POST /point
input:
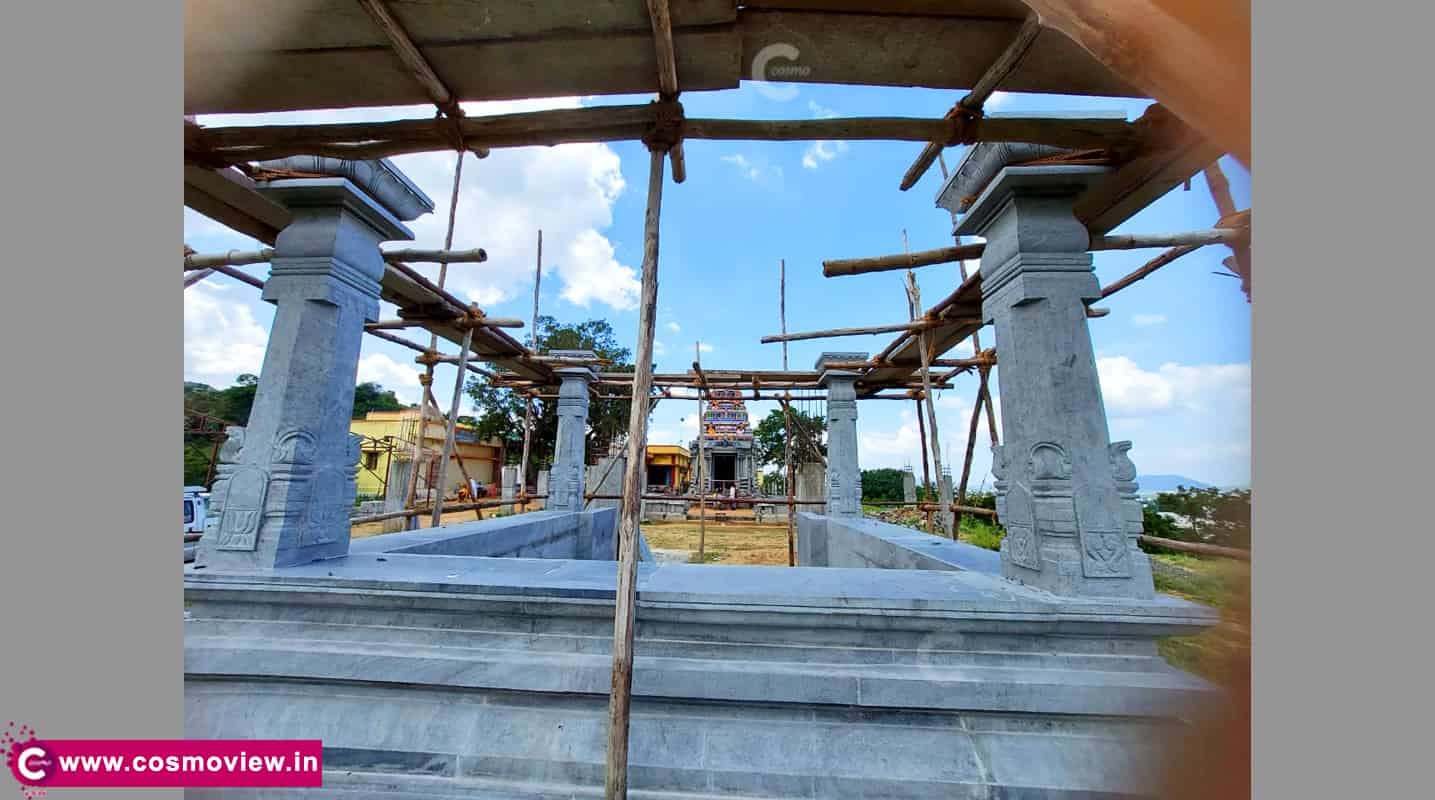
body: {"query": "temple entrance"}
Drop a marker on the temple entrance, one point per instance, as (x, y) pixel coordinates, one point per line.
(660, 475)
(724, 469)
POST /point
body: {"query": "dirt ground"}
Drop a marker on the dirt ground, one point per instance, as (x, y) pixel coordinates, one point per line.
(725, 543)
(425, 521)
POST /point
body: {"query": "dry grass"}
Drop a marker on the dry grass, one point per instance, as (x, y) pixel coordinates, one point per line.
(725, 543)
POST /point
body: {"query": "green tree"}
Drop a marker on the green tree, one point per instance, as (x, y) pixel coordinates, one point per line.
(882, 484)
(1220, 517)
(500, 411)
(372, 397)
(769, 438)
(208, 411)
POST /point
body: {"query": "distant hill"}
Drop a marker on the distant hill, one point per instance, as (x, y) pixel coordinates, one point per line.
(1151, 484)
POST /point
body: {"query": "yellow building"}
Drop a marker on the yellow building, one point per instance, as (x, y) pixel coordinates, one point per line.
(669, 468)
(389, 435)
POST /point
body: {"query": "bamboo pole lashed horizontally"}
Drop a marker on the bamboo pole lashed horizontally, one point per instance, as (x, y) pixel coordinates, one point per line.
(367, 140)
(838, 267)
(237, 258)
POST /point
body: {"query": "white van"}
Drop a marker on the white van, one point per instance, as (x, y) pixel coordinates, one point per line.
(196, 508)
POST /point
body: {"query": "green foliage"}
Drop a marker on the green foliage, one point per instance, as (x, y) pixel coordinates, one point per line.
(500, 412)
(882, 484)
(232, 406)
(1217, 517)
(769, 438)
(981, 532)
(372, 397)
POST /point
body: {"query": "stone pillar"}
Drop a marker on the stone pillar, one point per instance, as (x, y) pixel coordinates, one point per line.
(1064, 489)
(909, 486)
(607, 478)
(510, 487)
(565, 480)
(286, 494)
(844, 477)
(541, 489)
(396, 491)
(811, 478)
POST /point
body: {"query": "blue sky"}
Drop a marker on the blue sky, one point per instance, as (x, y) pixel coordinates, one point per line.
(1174, 353)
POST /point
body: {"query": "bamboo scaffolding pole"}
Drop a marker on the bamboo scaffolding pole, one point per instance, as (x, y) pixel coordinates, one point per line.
(453, 509)
(1240, 260)
(1149, 267)
(788, 468)
(977, 406)
(452, 428)
(944, 492)
(969, 108)
(839, 267)
(661, 17)
(926, 474)
(914, 325)
(976, 335)
(457, 456)
(528, 400)
(426, 379)
(1197, 548)
(371, 140)
(702, 455)
(625, 601)
(239, 258)
(693, 498)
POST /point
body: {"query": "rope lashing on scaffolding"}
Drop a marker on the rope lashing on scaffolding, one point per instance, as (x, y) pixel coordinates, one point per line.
(666, 130)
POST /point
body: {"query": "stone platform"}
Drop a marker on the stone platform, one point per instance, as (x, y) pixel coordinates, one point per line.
(441, 675)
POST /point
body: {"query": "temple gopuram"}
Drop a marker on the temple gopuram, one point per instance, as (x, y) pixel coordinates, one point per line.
(726, 446)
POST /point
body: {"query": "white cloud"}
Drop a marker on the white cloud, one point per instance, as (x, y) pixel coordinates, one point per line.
(820, 152)
(401, 379)
(744, 166)
(675, 327)
(1130, 391)
(567, 191)
(659, 349)
(222, 339)
(706, 348)
(1146, 320)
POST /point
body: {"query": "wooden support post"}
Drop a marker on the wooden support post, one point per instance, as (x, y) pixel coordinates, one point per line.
(914, 325)
(971, 447)
(457, 456)
(944, 492)
(426, 379)
(528, 398)
(702, 456)
(926, 474)
(625, 605)
(969, 109)
(788, 472)
(1221, 194)
(451, 436)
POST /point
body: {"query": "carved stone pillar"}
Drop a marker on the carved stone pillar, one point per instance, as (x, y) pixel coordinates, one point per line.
(287, 480)
(566, 478)
(1064, 491)
(844, 477)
